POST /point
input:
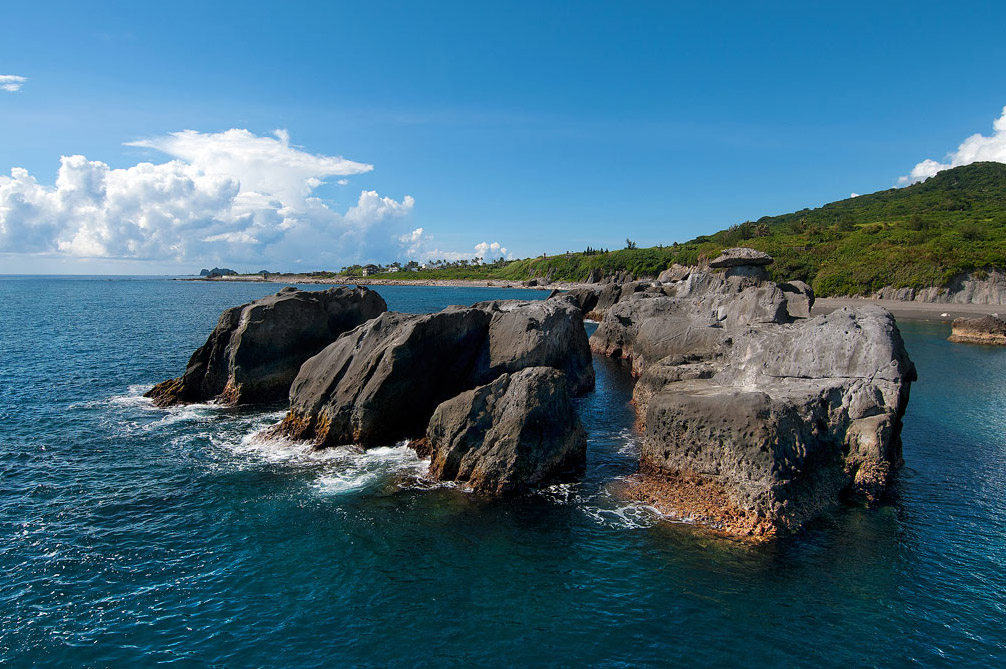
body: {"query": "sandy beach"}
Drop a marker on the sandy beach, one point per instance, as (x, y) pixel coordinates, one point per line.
(916, 311)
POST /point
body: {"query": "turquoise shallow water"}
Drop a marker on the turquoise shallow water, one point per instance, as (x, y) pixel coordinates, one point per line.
(132, 535)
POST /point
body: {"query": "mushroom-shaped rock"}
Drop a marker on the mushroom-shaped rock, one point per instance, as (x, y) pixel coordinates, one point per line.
(989, 329)
(256, 349)
(740, 257)
(520, 431)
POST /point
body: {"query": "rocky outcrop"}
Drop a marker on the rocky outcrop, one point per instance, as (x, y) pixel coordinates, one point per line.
(691, 317)
(784, 422)
(382, 382)
(756, 416)
(982, 287)
(256, 349)
(517, 432)
(989, 329)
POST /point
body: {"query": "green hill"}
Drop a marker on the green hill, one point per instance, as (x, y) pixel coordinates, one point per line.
(917, 236)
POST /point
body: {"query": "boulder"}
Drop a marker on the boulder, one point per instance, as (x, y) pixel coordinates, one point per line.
(794, 419)
(799, 298)
(989, 329)
(256, 349)
(381, 382)
(520, 431)
(740, 257)
(536, 334)
(674, 273)
(584, 299)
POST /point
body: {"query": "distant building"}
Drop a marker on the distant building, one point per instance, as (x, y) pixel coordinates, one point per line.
(370, 269)
(392, 269)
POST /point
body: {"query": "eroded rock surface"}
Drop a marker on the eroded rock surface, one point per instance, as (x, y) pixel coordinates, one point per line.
(517, 432)
(784, 423)
(256, 349)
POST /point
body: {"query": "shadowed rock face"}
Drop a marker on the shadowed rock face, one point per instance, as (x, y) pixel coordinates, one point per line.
(256, 349)
(519, 431)
(989, 329)
(382, 382)
(785, 423)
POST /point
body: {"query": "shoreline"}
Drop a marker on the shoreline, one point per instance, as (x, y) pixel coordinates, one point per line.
(364, 281)
(932, 312)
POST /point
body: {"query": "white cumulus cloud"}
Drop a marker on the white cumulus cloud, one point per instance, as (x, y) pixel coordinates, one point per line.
(11, 82)
(975, 148)
(490, 251)
(229, 197)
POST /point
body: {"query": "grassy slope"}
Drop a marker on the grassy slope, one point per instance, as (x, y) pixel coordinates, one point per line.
(917, 236)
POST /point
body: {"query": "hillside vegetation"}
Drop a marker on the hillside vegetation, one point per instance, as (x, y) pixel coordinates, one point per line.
(917, 236)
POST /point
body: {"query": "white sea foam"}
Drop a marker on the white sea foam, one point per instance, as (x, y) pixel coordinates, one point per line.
(359, 470)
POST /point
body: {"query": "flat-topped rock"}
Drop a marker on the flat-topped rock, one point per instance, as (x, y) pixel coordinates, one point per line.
(256, 349)
(784, 423)
(989, 329)
(741, 257)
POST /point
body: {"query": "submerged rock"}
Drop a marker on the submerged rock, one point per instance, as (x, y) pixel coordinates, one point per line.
(517, 432)
(787, 422)
(256, 349)
(989, 329)
(382, 382)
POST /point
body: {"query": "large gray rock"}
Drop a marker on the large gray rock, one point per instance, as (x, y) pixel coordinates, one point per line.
(740, 257)
(701, 316)
(381, 382)
(520, 431)
(793, 419)
(538, 333)
(799, 298)
(674, 273)
(256, 349)
(584, 299)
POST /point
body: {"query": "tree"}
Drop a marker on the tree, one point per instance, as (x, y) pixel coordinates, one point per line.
(629, 244)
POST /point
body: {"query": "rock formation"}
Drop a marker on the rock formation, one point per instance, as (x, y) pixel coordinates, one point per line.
(980, 287)
(382, 382)
(516, 432)
(989, 329)
(256, 349)
(783, 425)
(757, 417)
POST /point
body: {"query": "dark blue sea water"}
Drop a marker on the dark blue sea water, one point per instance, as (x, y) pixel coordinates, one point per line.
(133, 536)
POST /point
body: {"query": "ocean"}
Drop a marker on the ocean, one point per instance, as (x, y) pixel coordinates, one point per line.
(136, 536)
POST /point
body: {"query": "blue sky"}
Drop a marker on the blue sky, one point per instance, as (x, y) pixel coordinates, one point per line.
(537, 127)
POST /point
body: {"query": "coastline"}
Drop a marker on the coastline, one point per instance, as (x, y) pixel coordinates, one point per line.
(364, 281)
(934, 312)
